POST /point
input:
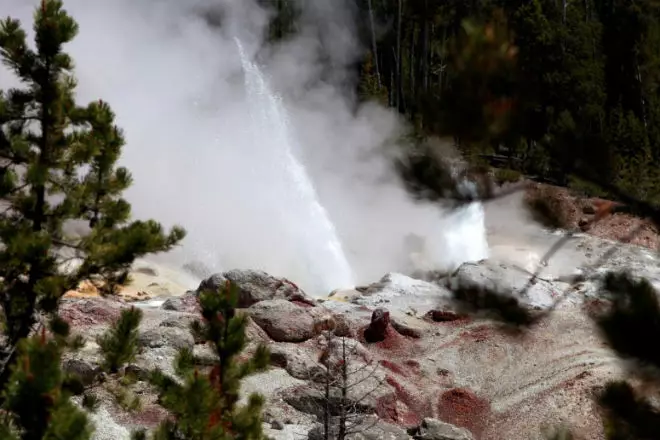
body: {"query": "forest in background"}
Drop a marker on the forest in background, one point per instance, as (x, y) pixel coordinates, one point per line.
(562, 91)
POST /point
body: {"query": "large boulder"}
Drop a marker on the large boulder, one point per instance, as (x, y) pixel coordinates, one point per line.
(296, 361)
(186, 303)
(85, 370)
(166, 337)
(256, 286)
(367, 387)
(432, 429)
(477, 280)
(405, 294)
(368, 428)
(283, 321)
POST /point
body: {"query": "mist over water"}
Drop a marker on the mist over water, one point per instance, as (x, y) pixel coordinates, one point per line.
(208, 138)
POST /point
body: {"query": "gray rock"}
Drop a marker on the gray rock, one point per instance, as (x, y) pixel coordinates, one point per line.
(401, 293)
(276, 424)
(186, 303)
(369, 428)
(295, 361)
(166, 337)
(256, 286)
(283, 321)
(180, 322)
(505, 280)
(214, 282)
(137, 372)
(432, 429)
(368, 386)
(87, 371)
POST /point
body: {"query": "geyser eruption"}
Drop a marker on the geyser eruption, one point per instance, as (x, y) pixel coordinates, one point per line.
(301, 212)
(222, 161)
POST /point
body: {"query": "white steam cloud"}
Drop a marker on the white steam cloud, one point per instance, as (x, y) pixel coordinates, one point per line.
(177, 86)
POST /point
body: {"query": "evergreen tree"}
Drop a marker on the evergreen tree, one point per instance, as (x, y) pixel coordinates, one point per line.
(119, 344)
(58, 164)
(204, 405)
(37, 404)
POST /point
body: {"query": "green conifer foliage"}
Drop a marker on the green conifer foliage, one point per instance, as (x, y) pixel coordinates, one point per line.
(119, 344)
(58, 163)
(205, 405)
(36, 403)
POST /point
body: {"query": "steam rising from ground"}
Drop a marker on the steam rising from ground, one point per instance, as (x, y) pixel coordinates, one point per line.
(176, 84)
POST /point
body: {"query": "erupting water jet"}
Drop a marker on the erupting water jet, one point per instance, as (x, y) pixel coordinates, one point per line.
(306, 218)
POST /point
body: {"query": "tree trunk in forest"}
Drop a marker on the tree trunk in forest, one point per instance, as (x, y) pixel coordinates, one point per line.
(425, 49)
(399, 63)
(374, 44)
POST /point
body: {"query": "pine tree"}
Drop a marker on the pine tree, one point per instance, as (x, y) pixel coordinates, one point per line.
(205, 405)
(57, 165)
(37, 404)
(119, 344)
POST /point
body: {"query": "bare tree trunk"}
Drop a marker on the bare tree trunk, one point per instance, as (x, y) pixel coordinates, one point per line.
(393, 81)
(642, 104)
(399, 63)
(326, 412)
(374, 44)
(344, 392)
(425, 48)
(411, 71)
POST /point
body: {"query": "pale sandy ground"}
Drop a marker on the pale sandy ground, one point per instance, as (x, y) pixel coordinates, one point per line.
(150, 280)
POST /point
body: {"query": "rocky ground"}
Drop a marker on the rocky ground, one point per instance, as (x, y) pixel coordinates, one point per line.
(436, 370)
(581, 213)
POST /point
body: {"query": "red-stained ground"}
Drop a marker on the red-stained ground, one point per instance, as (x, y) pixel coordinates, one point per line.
(461, 407)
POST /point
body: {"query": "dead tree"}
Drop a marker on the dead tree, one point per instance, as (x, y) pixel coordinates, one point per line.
(347, 380)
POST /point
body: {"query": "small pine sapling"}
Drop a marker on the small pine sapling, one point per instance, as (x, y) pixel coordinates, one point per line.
(37, 405)
(204, 406)
(119, 344)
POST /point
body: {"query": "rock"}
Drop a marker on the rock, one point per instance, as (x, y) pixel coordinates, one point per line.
(186, 303)
(443, 316)
(282, 320)
(369, 428)
(296, 362)
(342, 326)
(180, 322)
(354, 350)
(205, 355)
(477, 281)
(432, 429)
(214, 282)
(276, 424)
(256, 286)
(137, 372)
(405, 328)
(306, 399)
(368, 387)
(402, 293)
(377, 330)
(89, 311)
(87, 372)
(167, 337)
